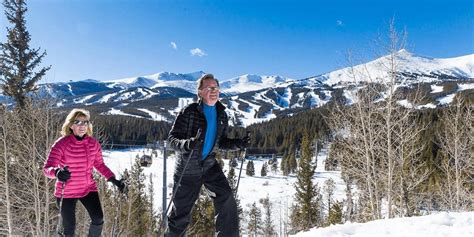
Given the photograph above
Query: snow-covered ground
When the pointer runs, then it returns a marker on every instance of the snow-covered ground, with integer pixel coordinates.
(279, 188)
(441, 224)
(281, 191)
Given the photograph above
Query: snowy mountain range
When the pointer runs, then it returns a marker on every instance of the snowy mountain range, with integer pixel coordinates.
(254, 98)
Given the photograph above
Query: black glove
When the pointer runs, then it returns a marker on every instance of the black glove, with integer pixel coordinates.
(244, 142)
(63, 174)
(119, 183)
(194, 142)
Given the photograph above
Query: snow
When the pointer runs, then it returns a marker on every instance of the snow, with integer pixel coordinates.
(285, 98)
(249, 82)
(463, 87)
(281, 191)
(182, 102)
(249, 116)
(436, 89)
(406, 62)
(70, 89)
(299, 103)
(279, 188)
(60, 103)
(187, 82)
(124, 96)
(427, 106)
(83, 99)
(444, 224)
(316, 101)
(106, 98)
(446, 99)
(405, 103)
(163, 79)
(114, 111)
(154, 116)
(119, 160)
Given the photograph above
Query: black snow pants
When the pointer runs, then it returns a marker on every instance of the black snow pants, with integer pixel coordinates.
(224, 203)
(92, 204)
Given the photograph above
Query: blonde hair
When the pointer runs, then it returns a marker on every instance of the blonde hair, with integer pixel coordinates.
(73, 115)
(207, 76)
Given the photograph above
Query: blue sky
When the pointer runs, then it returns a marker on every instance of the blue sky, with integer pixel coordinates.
(113, 39)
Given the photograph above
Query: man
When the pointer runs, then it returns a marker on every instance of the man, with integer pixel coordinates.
(195, 132)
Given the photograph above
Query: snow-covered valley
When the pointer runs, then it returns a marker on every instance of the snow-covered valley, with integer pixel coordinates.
(281, 192)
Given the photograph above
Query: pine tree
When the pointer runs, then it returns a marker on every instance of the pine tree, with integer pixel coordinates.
(274, 164)
(233, 162)
(202, 223)
(289, 164)
(17, 60)
(231, 178)
(284, 165)
(268, 227)
(153, 215)
(335, 214)
(232, 183)
(307, 198)
(329, 186)
(138, 214)
(263, 171)
(293, 164)
(250, 169)
(255, 221)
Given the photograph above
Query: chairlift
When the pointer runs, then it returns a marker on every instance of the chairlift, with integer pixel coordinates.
(145, 160)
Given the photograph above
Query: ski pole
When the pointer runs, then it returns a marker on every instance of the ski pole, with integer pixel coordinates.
(241, 165)
(118, 211)
(60, 218)
(177, 184)
(240, 172)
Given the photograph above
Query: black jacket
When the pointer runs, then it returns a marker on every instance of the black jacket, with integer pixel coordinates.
(186, 126)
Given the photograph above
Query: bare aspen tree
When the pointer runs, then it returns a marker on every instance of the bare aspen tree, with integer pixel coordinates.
(355, 143)
(401, 146)
(389, 110)
(349, 215)
(6, 204)
(329, 186)
(26, 136)
(456, 139)
(376, 136)
(410, 170)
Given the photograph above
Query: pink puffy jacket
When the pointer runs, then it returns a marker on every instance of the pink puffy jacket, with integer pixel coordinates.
(80, 157)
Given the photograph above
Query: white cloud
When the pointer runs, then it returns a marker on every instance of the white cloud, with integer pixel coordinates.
(339, 23)
(197, 52)
(174, 45)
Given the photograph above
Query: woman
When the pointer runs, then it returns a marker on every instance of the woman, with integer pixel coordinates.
(71, 161)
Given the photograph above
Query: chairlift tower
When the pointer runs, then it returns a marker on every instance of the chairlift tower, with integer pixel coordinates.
(164, 207)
